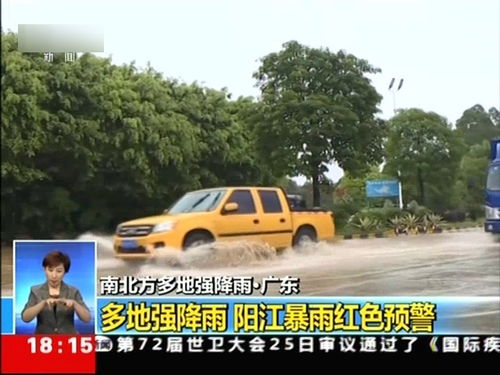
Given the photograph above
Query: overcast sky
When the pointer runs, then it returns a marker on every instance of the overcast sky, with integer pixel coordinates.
(447, 51)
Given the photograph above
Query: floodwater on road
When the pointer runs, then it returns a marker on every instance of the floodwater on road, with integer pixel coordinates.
(448, 264)
(465, 263)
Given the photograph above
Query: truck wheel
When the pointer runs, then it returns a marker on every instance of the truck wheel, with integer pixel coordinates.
(303, 236)
(197, 239)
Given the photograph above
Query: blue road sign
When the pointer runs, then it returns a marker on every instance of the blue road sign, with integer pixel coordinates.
(382, 188)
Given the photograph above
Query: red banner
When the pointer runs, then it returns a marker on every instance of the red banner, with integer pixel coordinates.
(58, 354)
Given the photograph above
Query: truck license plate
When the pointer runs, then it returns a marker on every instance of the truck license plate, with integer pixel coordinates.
(129, 244)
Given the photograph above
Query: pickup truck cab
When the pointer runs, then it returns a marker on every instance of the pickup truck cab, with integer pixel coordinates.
(258, 214)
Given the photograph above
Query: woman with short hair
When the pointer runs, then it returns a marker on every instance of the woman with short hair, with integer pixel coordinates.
(54, 303)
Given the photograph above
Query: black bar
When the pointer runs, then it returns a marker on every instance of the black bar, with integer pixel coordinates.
(154, 348)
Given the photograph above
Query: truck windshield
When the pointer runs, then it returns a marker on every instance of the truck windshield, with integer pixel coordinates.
(493, 182)
(199, 201)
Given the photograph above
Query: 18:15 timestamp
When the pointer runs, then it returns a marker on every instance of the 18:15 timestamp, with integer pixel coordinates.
(73, 344)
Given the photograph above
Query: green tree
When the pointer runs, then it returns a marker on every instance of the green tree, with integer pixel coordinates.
(23, 134)
(469, 187)
(425, 153)
(249, 163)
(149, 148)
(317, 107)
(495, 117)
(224, 140)
(88, 144)
(477, 125)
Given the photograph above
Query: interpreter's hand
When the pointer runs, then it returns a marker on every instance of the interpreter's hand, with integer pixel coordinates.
(68, 303)
(51, 302)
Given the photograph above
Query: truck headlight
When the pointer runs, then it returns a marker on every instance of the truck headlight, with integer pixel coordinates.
(492, 213)
(118, 227)
(164, 227)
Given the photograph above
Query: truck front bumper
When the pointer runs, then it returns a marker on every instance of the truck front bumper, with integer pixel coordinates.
(144, 247)
(492, 226)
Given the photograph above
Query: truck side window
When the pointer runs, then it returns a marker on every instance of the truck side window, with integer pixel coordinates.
(270, 201)
(244, 200)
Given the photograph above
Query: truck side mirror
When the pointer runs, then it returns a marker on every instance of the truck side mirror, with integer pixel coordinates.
(231, 207)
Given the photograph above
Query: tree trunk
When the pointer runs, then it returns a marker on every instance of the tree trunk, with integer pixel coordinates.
(316, 192)
(420, 182)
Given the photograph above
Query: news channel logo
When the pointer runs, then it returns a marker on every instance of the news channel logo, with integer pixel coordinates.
(103, 344)
(58, 38)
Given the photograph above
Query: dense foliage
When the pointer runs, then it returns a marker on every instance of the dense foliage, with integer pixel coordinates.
(88, 144)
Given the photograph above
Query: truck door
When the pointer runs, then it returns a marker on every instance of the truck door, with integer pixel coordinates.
(241, 224)
(276, 219)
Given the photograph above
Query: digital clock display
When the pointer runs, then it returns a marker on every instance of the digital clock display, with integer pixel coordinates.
(75, 344)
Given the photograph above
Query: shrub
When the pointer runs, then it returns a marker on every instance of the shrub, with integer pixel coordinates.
(383, 215)
(398, 225)
(411, 222)
(365, 224)
(454, 216)
(435, 222)
(343, 212)
(414, 208)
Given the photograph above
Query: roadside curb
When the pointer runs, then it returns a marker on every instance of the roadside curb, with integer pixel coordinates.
(392, 235)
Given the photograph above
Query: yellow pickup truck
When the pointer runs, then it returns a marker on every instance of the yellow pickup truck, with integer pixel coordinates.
(224, 214)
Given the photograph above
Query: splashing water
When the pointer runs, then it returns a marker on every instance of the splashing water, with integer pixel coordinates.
(233, 254)
(104, 244)
(210, 256)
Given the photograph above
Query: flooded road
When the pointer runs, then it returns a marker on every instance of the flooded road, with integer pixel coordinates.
(450, 264)
(465, 263)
